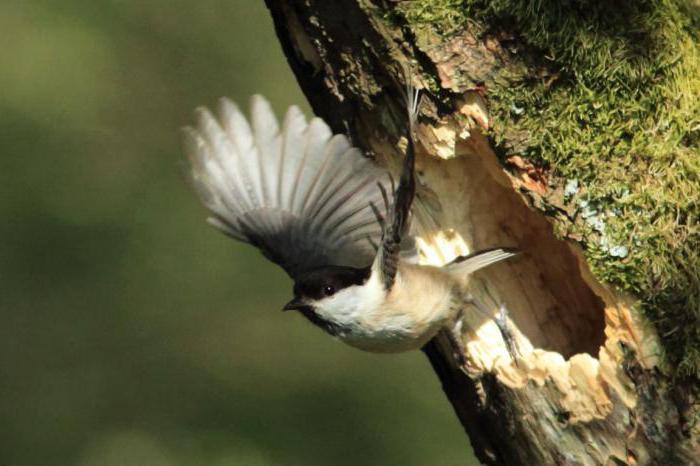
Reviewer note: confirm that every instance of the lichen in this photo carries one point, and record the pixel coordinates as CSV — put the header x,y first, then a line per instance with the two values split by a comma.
x,y
617,110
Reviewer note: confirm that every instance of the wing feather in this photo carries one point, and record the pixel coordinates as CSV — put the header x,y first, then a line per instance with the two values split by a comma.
x,y
316,139
298,193
240,139
207,172
268,141
396,230
293,151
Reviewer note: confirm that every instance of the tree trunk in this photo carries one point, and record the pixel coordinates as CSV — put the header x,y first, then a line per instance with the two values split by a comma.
x,y
569,130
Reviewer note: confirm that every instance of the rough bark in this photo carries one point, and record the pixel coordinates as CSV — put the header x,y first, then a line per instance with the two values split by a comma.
x,y
589,387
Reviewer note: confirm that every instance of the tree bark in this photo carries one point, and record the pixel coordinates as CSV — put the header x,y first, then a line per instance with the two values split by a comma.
x,y
590,385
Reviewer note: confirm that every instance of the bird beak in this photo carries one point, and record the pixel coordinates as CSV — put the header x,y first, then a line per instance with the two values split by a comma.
x,y
294,305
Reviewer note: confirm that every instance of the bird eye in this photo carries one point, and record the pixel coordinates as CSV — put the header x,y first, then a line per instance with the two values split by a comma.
x,y
328,290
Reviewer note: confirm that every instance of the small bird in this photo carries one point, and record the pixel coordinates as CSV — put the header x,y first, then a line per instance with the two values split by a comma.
x,y
319,208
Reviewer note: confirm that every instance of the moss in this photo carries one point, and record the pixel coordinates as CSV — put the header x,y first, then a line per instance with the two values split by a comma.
x,y
443,16
617,117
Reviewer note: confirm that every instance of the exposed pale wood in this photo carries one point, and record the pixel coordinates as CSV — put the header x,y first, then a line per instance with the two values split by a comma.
x,y
587,389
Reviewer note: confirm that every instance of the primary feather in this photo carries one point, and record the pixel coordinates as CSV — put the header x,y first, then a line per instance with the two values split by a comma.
x,y
396,229
300,194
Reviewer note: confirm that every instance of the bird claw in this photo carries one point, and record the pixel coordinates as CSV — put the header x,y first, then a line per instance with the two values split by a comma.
x,y
501,321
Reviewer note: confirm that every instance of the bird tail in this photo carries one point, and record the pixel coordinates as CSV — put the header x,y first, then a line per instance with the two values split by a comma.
x,y
465,265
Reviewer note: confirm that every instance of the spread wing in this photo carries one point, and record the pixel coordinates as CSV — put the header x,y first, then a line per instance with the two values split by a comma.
x,y
302,195
397,228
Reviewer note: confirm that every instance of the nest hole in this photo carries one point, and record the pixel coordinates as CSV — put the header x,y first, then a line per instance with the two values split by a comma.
x,y
544,289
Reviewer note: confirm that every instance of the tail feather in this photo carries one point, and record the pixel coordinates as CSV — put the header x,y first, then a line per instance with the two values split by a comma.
x,y
464,265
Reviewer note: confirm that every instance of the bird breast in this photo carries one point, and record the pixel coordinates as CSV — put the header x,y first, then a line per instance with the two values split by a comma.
x,y
421,301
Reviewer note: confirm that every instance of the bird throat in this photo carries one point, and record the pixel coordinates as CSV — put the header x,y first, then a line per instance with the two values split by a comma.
x,y
330,327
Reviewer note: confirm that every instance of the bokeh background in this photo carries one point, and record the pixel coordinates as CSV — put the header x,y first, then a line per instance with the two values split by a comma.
x,y
131,333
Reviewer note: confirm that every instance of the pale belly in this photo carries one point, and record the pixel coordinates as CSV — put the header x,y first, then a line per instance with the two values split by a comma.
x,y
400,328
389,341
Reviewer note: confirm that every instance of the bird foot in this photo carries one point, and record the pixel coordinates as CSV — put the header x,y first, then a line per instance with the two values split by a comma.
x,y
501,321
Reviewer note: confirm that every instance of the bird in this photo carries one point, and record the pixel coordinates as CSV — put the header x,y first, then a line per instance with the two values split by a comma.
x,y
315,205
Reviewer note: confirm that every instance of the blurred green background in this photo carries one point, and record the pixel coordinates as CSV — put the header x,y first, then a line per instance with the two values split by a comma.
x,y
132,333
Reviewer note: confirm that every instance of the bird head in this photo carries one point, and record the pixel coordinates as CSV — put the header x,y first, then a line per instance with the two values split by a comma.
x,y
325,291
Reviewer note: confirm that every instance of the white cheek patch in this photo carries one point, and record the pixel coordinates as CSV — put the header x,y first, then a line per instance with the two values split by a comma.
x,y
349,305
343,306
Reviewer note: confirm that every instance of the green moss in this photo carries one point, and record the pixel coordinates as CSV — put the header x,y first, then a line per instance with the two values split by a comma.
x,y
616,113
444,16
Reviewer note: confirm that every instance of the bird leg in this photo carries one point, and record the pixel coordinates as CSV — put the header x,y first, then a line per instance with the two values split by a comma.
x,y
501,321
